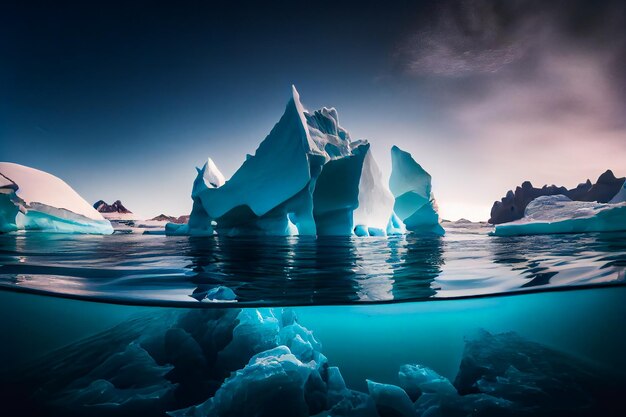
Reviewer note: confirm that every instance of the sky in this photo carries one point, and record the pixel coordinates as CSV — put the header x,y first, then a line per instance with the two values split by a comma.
x,y
122,101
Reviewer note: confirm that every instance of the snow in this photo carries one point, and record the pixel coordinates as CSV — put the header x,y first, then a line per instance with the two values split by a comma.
x,y
45,202
411,186
559,214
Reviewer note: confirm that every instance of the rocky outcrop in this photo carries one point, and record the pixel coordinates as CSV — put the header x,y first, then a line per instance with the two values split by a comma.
x,y
116,207
171,219
511,207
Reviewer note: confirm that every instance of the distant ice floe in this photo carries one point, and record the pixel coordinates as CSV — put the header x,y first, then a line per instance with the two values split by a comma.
x,y
308,177
559,214
31,199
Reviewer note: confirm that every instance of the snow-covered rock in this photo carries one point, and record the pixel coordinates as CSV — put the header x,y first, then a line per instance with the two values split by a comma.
x,y
115,211
307,177
414,201
31,199
559,214
512,206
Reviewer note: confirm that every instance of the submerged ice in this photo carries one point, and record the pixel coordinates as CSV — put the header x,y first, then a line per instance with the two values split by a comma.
x,y
264,362
308,177
31,199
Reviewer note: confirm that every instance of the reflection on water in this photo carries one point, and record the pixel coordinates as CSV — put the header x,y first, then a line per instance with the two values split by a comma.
x,y
148,269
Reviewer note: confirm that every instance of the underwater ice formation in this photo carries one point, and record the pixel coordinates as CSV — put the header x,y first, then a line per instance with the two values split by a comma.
x,y
31,199
307,177
263,362
414,201
559,214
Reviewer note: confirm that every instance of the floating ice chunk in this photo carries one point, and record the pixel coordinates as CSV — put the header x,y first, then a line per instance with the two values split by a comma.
x,y
411,186
559,214
219,294
31,199
391,400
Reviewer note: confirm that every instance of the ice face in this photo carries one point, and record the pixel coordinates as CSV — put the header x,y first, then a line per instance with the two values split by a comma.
x,y
31,199
559,214
276,172
411,186
336,194
375,200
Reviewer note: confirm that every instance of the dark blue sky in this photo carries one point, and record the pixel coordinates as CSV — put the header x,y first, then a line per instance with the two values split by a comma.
x,y
122,101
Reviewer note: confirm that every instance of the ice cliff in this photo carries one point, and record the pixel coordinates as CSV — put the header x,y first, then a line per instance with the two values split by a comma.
x,y
31,199
308,177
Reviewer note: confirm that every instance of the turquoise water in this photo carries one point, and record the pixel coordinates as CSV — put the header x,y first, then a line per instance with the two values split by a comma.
x,y
449,304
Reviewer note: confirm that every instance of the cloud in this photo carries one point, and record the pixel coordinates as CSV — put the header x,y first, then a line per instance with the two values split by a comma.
x,y
532,90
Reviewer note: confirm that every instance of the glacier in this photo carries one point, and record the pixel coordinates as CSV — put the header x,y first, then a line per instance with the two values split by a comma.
x,y
308,177
414,201
559,214
31,199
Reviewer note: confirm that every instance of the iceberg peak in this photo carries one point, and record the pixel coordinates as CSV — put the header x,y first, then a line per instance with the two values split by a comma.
x,y
213,177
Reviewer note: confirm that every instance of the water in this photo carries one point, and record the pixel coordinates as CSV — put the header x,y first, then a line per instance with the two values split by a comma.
x,y
152,344
148,269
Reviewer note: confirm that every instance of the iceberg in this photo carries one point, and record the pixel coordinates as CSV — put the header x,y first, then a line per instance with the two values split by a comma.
x,y
307,177
31,199
414,201
559,214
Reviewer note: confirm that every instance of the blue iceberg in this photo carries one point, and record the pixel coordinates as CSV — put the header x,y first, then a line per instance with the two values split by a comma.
x,y
31,199
411,186
308,177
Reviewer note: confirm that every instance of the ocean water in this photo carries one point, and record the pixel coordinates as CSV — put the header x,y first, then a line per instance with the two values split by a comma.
x,y
465,324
